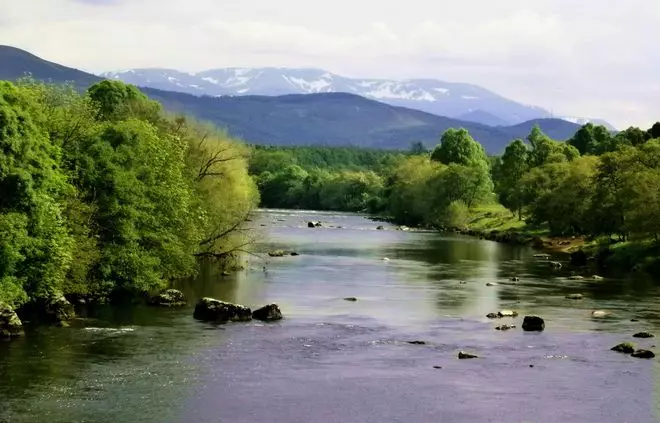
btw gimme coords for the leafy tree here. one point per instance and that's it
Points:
(457, 146)
(514, 164)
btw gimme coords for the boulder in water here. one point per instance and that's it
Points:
(624, 347)
(491, 284)
(643, 335)
(505, 327)
(507, 313)
(58, 310)
(643, 354)
(574, 296)
(555, 265)
(10, 325)
(599, 313)
(514, 279)
(416, 342)
(268, 313)
(380, 228)
(533, 324)
(597, 278)
(169, 298)
(277, 253)
(351, 299)
(493, 316)
(462, 355)
(212, 310)
(575, 278)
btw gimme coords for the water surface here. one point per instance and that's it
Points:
(336, 361)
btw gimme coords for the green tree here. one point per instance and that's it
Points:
(514, 164)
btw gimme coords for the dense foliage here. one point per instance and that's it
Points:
(103, 193)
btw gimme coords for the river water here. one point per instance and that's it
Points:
(332, 360)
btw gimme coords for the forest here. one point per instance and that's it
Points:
(599, 185)
(105, 194)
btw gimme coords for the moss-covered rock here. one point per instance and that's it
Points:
(169, 298)
(212, 310)
(643, 335)
(624, 347)
(10, 325)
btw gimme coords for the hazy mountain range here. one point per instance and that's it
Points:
(325, 118)
(461, 101)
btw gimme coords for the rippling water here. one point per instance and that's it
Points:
(336, 361)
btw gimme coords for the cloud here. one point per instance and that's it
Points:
(580, 58)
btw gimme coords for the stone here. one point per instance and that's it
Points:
(599, 313)
(318, 224)
(294, 254)
(643, 335)
(505, 327)
(643, 354)
(514, 279)
(507, 313)
(380, 228)
(462, 355)
(277, 253)
(597, 278)
(58, 310)
(624, 347)
(351, 299)
(493, 316)
(491, 284)
(268, 313)
(555, 265)
(169, 298)
(579, 258)
(417, 342)
(533, 324)
(574, 296)
(311, 224)
(575, 278)
(212, 310)
(10, 324)
(542, 256)
(437, 367)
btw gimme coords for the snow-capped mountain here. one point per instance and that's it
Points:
(469, 102)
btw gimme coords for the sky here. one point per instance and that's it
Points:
(586, 58)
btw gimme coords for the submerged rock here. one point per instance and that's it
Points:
(462, 355)
(268, 313)
(311, 224)
(643, 335)
(597, 278)
(212, 310)
(380, 228)
(169, 298)
(575, 278)
(555, 265)
(493, 316)
(624, 347)
(352, 299)
(533, 324)
(505, 327)
(416, 342)
(542, 256)
(491, 284)
(277, 253)
(643, 354)
(514, 279)
(599, 313)
(10, 325)
(574, 296)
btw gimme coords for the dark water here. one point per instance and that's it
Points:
(337, 361)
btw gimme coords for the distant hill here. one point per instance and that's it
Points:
(16, 63)
(428, 95)
(331, 119)
(480, 116)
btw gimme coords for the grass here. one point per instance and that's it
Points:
(494, 217)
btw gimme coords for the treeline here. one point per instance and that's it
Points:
(323, 178)
(103, 193)
(595, 184)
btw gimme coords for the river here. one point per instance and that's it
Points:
(332, 360)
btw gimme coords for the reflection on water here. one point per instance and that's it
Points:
(138, 364)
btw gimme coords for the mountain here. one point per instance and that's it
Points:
(16, 63)
(331, 119)
(339, 119)
(480, 116)
(429, 95)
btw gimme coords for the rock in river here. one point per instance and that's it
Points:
(58, 310)
(464, 356)
(533, 324)
(579, 258)
(625, 347)
(351, 299)
(10, 325)
(169, 298)
(643, 354)
(493, 316)
(505, 327)
(507, 313)
(268, 313)
(574, 296)
(212, 310)
(643, 335)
